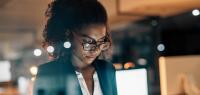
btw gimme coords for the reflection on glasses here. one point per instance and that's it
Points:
(89, 44)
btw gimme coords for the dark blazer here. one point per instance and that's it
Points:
(58, 77)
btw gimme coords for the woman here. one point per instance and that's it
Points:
(76, 70)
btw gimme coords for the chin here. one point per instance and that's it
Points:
(89, 61)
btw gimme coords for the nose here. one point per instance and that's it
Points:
(95, 52)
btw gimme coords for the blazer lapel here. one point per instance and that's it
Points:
(103, 78)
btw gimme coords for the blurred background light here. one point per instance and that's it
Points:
(128, 65)
(33, 78)
(142, 61)
(23, 85)
(154, 23)
(33, 70)
(118, 66)
(161, 47)
(5, 74)
(37, 52)
(50, 49)
(67, 44)
(195, 12)
(2, 90)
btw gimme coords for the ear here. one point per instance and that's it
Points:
(69, 35)
(67, 32)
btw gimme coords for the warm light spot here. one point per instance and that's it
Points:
(128, 65)
(33, 70)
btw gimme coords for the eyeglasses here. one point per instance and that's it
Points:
(89, 44)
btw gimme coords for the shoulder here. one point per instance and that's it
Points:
(54, 67)
(48, 64)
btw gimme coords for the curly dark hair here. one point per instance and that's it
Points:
(70, 15)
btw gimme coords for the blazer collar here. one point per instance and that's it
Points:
(103, 77)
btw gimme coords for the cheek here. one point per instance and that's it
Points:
(76, 45)
(77, 48)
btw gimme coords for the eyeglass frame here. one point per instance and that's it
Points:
(93, 40)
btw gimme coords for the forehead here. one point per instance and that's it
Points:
(94, 31)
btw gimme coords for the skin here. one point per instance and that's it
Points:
(82, 59)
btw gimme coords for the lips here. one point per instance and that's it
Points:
(90, 56)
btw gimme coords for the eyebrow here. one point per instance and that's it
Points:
(84, 35)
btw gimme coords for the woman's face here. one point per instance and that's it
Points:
(90, 35)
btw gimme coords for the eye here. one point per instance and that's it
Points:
(104, 39)
(87, 40)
